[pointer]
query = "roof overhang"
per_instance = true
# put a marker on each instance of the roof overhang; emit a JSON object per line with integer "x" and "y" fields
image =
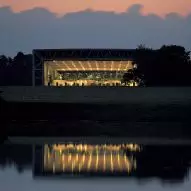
{"x": 85, "y": 54}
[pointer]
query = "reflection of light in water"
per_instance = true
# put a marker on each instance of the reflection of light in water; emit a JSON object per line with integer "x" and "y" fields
{"x": 97, "y": 160}
{"x": 135, "y": 164}
{"x": 77, "y": 156}
{"x": 90, "y": 161}
{"x": 80, "y": 147}
{"x": 118, "y": 160}
{"x": 127, "y": 163}
{"x": 104, "y": 161}
{"x": 70, "y": 157}
{"x": 82, "y": 163}
{"x": 111, "y": 162}
{"x": 63, "y": 163}
{"x": 90, "y": 158}
{"x": 53, "y": 167}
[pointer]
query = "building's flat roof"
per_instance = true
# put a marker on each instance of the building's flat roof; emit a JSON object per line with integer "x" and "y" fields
{"x": 108, "y": 54}
{"x": 85, "y": 49}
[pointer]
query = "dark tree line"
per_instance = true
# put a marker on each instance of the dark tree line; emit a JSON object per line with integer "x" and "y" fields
{"x": 16, "y": 71}
{"x": 167, "y": 66}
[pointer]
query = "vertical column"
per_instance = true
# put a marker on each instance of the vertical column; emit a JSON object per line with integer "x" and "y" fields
{"x": 43, "y": 81}
{"x": 33, "y": 68}
{"x": 45, "y": 73}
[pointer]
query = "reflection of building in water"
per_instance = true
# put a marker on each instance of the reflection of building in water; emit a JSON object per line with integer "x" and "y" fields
{"x": 70, "y": 158}
{"x": 172, "y": 167}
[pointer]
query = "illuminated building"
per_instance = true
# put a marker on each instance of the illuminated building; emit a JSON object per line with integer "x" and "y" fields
{"x": 83, "y": 158}
{"x": 81, "y": 67}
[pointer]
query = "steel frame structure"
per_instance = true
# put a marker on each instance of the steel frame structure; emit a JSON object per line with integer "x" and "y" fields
{"x": 42, "y": 55}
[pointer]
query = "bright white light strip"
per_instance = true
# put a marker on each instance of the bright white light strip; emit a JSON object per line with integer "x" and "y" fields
{"x": 119, "y": 67}
{"x": 97, "y": 67}
{"x": 74, "y": 65}
{"x": 81, "y": 65}
{"x": 104, "y": 65}
{"x": 59, "y": 65}
{"x": 90, "y": 67}
{"x": 128, "y": 65}
{"x": 65, "y": 64}
{"x": 112, "y": 63}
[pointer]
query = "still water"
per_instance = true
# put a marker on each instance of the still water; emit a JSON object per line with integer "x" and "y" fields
{"x": 69, "y": 166}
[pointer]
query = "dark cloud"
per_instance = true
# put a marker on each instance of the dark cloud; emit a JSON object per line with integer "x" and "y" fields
{"x": 39, "y": 28}
{"x": 135, "y": 9}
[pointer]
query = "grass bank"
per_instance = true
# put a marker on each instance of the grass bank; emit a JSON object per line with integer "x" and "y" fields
{"x": 79, "y": 119}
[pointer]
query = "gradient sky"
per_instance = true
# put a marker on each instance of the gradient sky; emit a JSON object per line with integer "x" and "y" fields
{"x": 158, "y": 7}
{"x": 32, "y": 24}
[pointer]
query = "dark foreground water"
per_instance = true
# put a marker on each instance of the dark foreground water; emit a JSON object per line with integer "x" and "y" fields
{"x": 85, "y": 167}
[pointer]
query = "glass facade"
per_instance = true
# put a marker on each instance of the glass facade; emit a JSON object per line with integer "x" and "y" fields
{"x": 85, "y": 73}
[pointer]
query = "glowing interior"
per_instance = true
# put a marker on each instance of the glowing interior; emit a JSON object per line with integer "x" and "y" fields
{"x": 85, "y": 73}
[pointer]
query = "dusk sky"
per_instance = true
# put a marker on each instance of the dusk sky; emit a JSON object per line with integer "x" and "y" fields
{"x": 65, "y": 6}
{"x": 29, "y": 24}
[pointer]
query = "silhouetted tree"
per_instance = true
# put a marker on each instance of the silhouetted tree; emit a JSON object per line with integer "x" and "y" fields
{"x": 16, "y": 71}
{"x": 3, "y": 61}
{"x": 168, "y": 66}
{"x": 3, "y": 69}
{"x": 173, "y": 66}
{"x": 133, "y": 75}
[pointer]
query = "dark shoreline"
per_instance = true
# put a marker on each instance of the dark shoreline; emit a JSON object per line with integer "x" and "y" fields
{"x": 79, "y": 119}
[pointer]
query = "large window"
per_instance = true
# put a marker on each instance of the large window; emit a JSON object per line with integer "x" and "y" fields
{"x": 85, "y": 73}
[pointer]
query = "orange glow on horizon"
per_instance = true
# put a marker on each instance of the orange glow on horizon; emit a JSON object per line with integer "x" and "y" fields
{"x": 61, "y": 7}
